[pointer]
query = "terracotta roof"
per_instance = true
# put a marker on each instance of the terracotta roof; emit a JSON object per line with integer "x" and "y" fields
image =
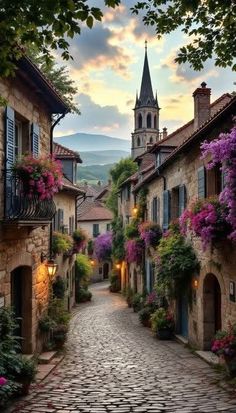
{"x": 94, "y": 211}
{"x": 189, "y": 140}
{"x": 61, "y": 152}
{"x": 54, "y": 99}
{"x": 68, "y": 186}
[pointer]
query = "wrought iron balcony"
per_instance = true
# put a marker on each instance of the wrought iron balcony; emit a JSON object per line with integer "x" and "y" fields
{"x": 25, "y": 210}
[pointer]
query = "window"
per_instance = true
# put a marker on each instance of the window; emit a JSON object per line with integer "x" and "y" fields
{"x": 158, "y": 160}
{"x": 140, "y": 121}
{"x": 155, "y": 210}
{"x": 149, "y": 120}
{"x": 214, "y": 181}
{"x": 108, "y": 227}
{"x": 95, "y": 230}
{"x": 178, "y": 201}
{"x": 155, "y": 122}
{"x": 138, "y": 141}
{"x": 18, "y": 138}
{"x": 151, "y": 140}
{"x": 166, "y": 209}
{"x": 201, "y": 177}
{"x": 71, "y": 225}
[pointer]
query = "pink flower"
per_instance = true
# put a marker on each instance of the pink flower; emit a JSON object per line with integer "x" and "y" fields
{"x": 3, "y": 381}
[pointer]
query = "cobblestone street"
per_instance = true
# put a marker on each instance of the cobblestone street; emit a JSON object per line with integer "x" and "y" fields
{"x": 115, "y": 365}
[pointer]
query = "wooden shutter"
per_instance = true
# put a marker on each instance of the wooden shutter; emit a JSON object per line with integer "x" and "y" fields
{"x": 10, "y": 137}
{"x": 201, "y": 174}
{"x": 182, "y": 199}
{"x": 166, "y": 209}
{"x": 35, "y": 140}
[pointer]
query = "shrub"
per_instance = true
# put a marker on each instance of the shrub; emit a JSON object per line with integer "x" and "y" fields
{"x": 83, "y": 295}
{"x": 129, "y": 296}
{"x": 137, "y": 302}
{"x": 59, "y": 287}
{"x": 57, "y": 312}
{"x": 118, "y": 240}
{"x": 83, "y": 270}
{"x": 131, "y": 230}
{"x": 80, "y": 238}
{"x": 162, "y": 319}
{"x": 145, "y": 315}
{"x": 115, "y": 282}
{"x": 46, "y": 324}
{"x": 150, "y": 233}
{"x": 61, "y": 243}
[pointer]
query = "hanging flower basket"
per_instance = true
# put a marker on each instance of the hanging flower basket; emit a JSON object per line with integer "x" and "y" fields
{"x": 41, "y": 177}
{"x": 150, "y": 233}
{"x": 80, "y": 239}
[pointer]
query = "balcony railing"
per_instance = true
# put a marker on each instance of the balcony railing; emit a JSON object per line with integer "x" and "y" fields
{"x": 23, "y": 209}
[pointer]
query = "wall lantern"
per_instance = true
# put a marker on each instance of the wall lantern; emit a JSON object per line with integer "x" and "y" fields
{"x": 50, "y": 264}
{"x": 92, "y": 262}
{"x": 135, "y": 211}
{"x": 195, "y": 283}
{"x": 118, "y": 266}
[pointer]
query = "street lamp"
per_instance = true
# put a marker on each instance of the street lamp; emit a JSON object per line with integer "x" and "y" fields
{"x": 52, "y": 268}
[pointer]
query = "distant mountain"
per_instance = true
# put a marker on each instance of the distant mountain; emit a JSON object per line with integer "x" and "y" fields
{"x": 83, "y": 142}
{"x": 94, "y": 173}
{"x": 102, "y": 157}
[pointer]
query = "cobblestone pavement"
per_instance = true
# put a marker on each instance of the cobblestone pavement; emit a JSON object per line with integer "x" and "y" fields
{"x": 114, "y": 365}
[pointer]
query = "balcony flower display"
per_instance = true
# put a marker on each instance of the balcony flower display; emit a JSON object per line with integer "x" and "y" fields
{"x": 134, "y": 250}
{"x": 62, "y": 243}
{"x": 207, "y": 219}
{"x": 103, "y": 246}
{"x": 224, "y": 344}
{"x": 150, "y": 233}
{"x": 80, "y": 239}
{"x": 223, "y": 152}
{"x": 39, "y": 176}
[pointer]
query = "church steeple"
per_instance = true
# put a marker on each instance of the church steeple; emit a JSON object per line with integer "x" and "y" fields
{"x": 146, "y": 97}
{"x": 146, "y": 114}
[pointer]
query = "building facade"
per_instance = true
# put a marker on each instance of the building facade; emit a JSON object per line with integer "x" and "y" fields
{"x": 26, "y": 125}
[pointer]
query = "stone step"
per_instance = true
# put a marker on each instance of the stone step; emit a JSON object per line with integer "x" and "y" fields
{"x": 209, "y": 357}
{"x": 43, "y": 370}
{"x": 46, "y": 357}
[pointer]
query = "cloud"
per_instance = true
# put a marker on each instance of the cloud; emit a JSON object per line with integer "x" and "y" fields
{"x": 95, "y": 118}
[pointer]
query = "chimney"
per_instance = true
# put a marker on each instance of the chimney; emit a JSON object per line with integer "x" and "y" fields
{"x": 164, "y": 133}
{"x": 201, "y": 105}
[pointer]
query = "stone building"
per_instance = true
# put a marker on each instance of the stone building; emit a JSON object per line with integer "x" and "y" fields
{"x": 64, "y": 220}
{"x": 95, "y": 218}
{"x": 26, "y": 125}
{"x": 178, "y": 178}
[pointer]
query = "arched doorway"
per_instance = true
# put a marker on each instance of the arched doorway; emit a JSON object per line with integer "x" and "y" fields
{"x": 105, "y": 271}
{"x": 21, "y": 301}
{"x": 211, "y": 309}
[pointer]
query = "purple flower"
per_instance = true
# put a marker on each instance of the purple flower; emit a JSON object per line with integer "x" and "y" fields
{"x": 3, "y": 381}
{"x": 103, "y": 246}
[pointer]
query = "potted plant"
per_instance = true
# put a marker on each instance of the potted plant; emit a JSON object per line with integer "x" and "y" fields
{"x": 26, "y": 374}
{"x": 129, "y": 296}
{"x": 59, "y": 334}
{"x": 224, "y": 345}
{"x": 61, "y": 243}
{"x": 145, "y": 316}
{"x": 162, "y": 323}
{"x": 137, "y": 302}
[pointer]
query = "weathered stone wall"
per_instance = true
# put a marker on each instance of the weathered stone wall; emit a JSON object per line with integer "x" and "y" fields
{"x": 220, "y": 261}
{"x": 23, "y": 246}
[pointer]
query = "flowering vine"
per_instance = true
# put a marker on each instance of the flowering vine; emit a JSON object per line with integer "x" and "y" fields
{"x": 103, "y": 246}
{"x": 134, "y": 250}
{"x": 150, "y": 233}
{"x": 39, "y": 176}
{"x": 223, "y": 152}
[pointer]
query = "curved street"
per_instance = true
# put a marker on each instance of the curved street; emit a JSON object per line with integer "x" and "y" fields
{"x": 114, "y": 365}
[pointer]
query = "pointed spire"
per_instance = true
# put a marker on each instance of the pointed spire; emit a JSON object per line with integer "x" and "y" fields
{"x": 146, "y": 97}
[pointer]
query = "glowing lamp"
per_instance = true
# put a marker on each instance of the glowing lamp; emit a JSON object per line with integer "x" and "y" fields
{"x": 92, "y": 262}
{"x": 118, "y": 266}
{"x": 195, "y": 283}
{"x": 52, "y": 268}
{"x": 135, "y": 211}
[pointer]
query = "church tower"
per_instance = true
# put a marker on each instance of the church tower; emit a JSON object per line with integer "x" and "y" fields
{"x": 146, "y": 114}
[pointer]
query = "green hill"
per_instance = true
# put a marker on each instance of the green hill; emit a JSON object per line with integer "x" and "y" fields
{"x": 94, "y": 173}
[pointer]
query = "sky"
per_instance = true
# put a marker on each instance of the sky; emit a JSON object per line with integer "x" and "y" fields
{"x": 107, "y": 69}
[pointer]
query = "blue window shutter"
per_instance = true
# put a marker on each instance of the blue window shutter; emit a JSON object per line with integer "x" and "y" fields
{"x": 201, "y": 175}
{"x": 182, "y": 199}
{"x": 35, "y": 140}
{"x": 223, "y": 180}
{"x": 166, "y": 209}
{"x": 10, "y": 137}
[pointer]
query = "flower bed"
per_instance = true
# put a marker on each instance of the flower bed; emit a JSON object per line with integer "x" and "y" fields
{"x": 39, "y": 176}
{"x": 207, "y": 219}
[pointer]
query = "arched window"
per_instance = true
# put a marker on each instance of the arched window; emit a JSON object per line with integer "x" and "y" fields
{"x": 149, "y": 120}
{"x": 140, "y": 121}
{"x": 151, "y": 140}
{"x": 155, "y": 121}
{"x": 138, "y": 141}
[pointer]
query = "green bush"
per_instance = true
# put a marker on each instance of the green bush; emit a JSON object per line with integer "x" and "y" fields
{"x": 129, "y": 296}
{"x": 59, "y": 287}
{"x": 145, "y": 315}
{"x": 46, "y": 324}
{"x": 83, "y": 295}
{"x": 115, "y": 282}
{"x": 137, "y": 302}
{"x": 61, "y": 243}
{"x": 57, "y": 312}
{"x": 83, "y": 270}
{"x": 131, "y": 230}
{"x": 162, "y": 319}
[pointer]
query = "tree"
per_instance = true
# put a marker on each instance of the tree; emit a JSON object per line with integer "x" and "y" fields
{"x": 47, "y": 24}
{"x": 58, "y": 75}
{"x": 210, "y": 23}
{"x": 119, "y": 173}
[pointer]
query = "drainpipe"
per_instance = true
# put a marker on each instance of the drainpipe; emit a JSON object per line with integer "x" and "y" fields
{"x": 51, "y": 152}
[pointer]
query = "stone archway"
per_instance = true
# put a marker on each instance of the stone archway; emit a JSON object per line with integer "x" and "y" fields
{"x": 212, "y": 309}
{"x": 21, "y": 301}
